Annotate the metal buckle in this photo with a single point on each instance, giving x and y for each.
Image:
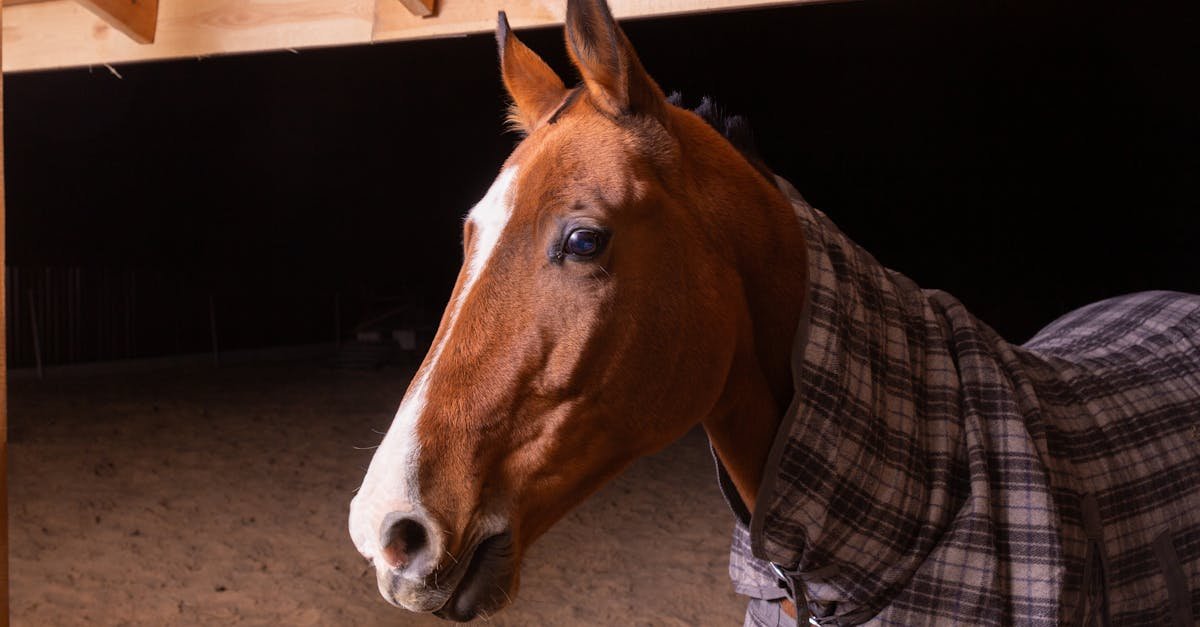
(785, 582)
(788, 584)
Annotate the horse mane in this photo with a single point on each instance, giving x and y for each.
(734, 128)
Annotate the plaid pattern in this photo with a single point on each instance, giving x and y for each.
(928, 472)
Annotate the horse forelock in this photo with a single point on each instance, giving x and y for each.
(570, 99)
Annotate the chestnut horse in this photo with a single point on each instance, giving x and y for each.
(629, 275)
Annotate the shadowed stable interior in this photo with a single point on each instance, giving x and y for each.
(1027, 157)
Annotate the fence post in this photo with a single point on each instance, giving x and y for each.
(337, 319)
(37, 340)
(212, 323)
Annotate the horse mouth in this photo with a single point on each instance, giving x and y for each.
(483, 586)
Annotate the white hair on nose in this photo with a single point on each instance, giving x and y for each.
(398, 454)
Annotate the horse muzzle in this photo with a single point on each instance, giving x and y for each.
(408, 576)
(461, 591)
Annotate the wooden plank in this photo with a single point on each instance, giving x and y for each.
(460, 17)
(136, 18)
(419, 8)
(61, 33)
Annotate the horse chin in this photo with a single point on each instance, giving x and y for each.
(484, 586)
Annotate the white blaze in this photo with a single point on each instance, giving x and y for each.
(391, 481)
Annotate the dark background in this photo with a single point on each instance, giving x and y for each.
(1027, 156)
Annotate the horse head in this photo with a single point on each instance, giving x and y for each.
(616, 290)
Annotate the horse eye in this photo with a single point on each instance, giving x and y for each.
(583, 243)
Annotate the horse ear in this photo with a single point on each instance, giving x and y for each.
(534, 88)
(610, 68)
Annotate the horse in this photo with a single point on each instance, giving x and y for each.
(887, 457)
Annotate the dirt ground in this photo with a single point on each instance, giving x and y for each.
(219, 497)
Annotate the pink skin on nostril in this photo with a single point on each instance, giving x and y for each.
(402, 539)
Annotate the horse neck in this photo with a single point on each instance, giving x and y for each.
(765, 240)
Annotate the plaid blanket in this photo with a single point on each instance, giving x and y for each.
(929, 472)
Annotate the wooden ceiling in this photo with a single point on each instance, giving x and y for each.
(45, 34)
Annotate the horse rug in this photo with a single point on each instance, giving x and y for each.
(929, 472)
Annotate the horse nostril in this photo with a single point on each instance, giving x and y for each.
(403, 538)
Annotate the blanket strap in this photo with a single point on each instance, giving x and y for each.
(787, 581)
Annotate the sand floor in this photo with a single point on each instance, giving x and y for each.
(218, 497)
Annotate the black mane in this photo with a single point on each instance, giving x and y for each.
(735, 128)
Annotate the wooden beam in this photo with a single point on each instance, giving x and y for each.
(419, 8)
(135, 18)
(60, 33)
(461, 17)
